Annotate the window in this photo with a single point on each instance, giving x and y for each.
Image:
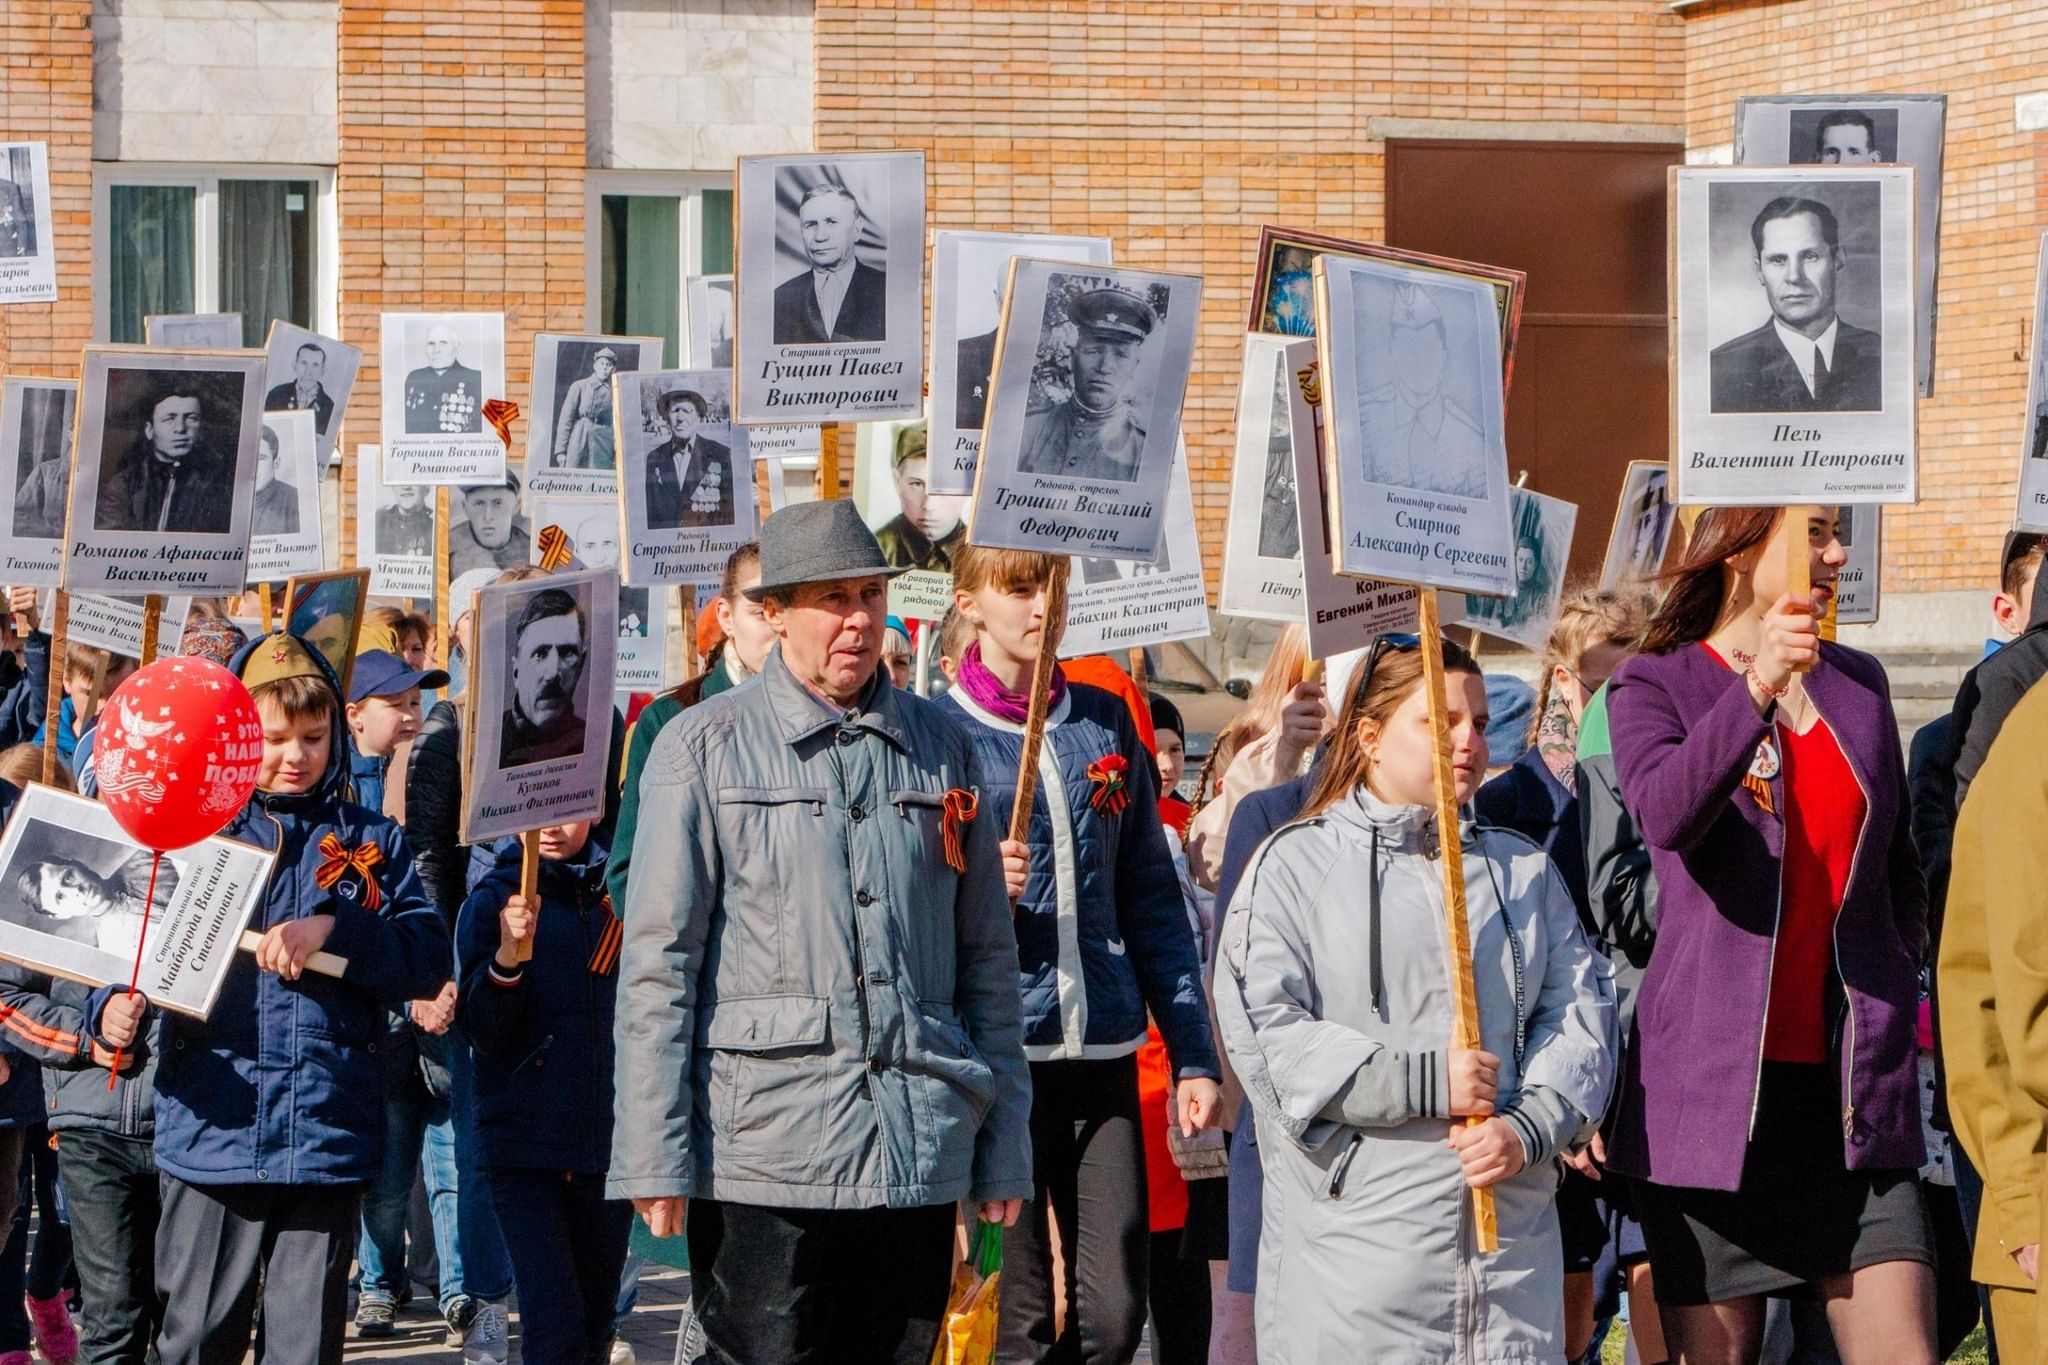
(177, 239)
(646, 235)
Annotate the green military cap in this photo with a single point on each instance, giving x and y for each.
(910, 443)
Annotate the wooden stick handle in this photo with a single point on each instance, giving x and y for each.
(1041, 683)
(263, 605)
(152, 624)
(686, 598)
(529, 885)
(1139, 676)
(322, 964)
(1464, 994)
(53, 701)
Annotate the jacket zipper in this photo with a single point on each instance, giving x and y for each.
(1835, 936)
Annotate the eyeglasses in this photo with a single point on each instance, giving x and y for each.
(1399, 643)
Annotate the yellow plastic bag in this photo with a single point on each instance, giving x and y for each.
(968, 1334)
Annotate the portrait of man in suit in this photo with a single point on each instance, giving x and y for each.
(1846, 137)
(689, 476)
(836, 298)
(1805, 357)
(976, 358)
(305, 389)
(443, 395)
(174, 476)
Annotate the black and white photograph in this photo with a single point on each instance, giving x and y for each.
(830, 323)
(570, 445)
(707, 301)
(325, 609)
(686, 479)
(1856, 583)
(164, 472)
(76, 901)
(439, 369)
(486, 528)
(2033, 494)
(970, 271)
(1115, 604)
(591, 528)
(308, 371)
(284, 515)
(1262, 564)
(395, 530)
(35, 428)
(1543, 544)
(1416, 440)
(538, 742)
(1861, 130)
(193, 331)
(28, 260)
(1794, 332)
(115, 623)
(1084, 416)
(1643, 520)
(918, 529)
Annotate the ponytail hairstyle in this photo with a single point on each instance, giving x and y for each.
(1588, 618)
(1699, 582)
(1390, 673)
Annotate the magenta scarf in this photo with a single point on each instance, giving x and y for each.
(990, 694)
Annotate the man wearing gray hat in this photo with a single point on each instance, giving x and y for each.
(1093, 433)
(583, 427)
(819, 1046)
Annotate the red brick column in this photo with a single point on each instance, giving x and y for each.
(46, 95)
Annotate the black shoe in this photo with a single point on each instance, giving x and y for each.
(460, 1313)
(376, 1318)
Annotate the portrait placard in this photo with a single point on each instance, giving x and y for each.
(1084, 411)
(1792, 340)
(591, 526)
(193, 331)
(28, 258)
(76, 889)
(569, 438)
(1861, 130)
(710, 348)
(284, 514)
(1643, 519)
(1262, 561)
(917, 529)
(970, 271)
(539, 727)
(310, 371)
(1543, 545)
(831, 287)
(2033, 492)
(1856, 582)
(434, 428)
(686, 487)
(326, 611)
(35, 477)
(394, 531)
(1416, 442)
(164, 471)
(484, 527)
(1115, 604)
(115, 623)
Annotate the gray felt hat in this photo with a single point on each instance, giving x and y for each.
(815, 542)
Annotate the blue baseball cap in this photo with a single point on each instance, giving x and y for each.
(380, 673)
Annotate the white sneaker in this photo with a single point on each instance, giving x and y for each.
(622, 1352)
(484, 1343)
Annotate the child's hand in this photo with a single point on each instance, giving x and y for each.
(435, 1015)
(515, 926)
(1490, 1152)
(1016, 866)
(286, 946)
(121, 1020)
(22, 602)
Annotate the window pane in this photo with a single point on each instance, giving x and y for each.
(717, 232)
(149, 255)
(266, 253)
(639, 270)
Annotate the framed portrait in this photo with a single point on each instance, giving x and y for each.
(28, 258)
(284, 513)
(707, 302)
(1262, 562)
(1793, 334)
(1861, 130)
(193, 331)
(1856, 583)
(569, 439)
(1283, 283)
(1416, 446)
(2033, 491)
(686, 485)
(164, 471)
(115, 623)
(1122, 603)
(396, 531)
(484, 528)
(1084, 415)
(970, 271)
(439, 370)
(1643, 520)
(305, 370)
(76, 902)
(918, 529)
(591, 528)
(326, 611)
(1543, 544)
(35, 476)
(539, 726)
(830, 287)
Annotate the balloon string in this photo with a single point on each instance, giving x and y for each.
(148, 903)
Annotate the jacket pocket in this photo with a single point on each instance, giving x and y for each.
(955, 1088)
(924, 815)
(765, 1023)
(769, 1085)
(814, 797)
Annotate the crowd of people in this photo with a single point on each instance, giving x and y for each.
(838, 975)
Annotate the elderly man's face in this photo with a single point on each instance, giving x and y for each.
(597, 542)
(682, 420)
(832, 633)
(1104, 365)
(309, 364)
(440, 347)
(490, 515)
(174, 427)
(408, 495)
(1847, 144)
(547, 666)
(1797, 269)
(828, 224)
(1418, 358)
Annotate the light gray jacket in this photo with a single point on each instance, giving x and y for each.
(815, 1010)
(1365, 1246)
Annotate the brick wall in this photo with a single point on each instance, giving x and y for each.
(1179, 128)
(46, 95)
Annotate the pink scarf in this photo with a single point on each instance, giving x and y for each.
(991, 696)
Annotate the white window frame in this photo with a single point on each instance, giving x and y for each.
(205, 178)
(686, 186)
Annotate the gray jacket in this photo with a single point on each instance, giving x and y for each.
(50, 1019)
(1365, 1249)
(815, 1010)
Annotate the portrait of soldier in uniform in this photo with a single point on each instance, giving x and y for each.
(1094, 433)
(929, 530)
(689, 476)
(406, 527)
(550, 645)
(444, 395)
(583, 424)
(174, 475)
(976, 359)
(43, 463)
(837, 297)
(17, 220)
(275, 509)
(1420, 436)
(492, 534)
(1805, 357)
(1279, 515)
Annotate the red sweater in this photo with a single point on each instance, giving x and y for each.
(1824, 810)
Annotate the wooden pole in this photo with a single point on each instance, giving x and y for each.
(99, 683)
(1041, 683)
(828, 460)
(529, 886)
(686, 599)
(320, 964)
(53, 701)
(152, 622)
(1139, 677)
(263, 605)
(1464, 996)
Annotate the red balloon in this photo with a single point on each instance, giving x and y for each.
(177, 750)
